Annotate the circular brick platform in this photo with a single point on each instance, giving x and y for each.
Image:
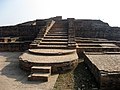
(60, 63)
(51, 51)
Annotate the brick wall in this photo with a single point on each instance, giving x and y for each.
(96, 29)
(114, 33)
(91, 28)
(17, 46)
(23, 32)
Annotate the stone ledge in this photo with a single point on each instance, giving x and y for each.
(51, 51)
(105, 68)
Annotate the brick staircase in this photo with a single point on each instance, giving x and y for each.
(56, 37)
(42, 32)
(40, 73)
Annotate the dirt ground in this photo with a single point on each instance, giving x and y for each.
(13, 78)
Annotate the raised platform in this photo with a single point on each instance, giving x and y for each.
(62, 61)
(105, 68)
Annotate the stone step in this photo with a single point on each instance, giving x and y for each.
(39, 77)
(38, 38)
(60, 24)
(55, 34)
(33, 46)
(57, 37)
(41, 69)
(65, 28)
(52, 46)
(53, 43)
(50, 52)
(58, 31)
(55, 40)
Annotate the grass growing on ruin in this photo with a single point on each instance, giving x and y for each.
(79, 79)
(65, 81)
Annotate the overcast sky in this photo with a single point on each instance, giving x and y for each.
(18, 11)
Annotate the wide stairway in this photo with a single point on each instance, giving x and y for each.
(55, 38)
(49, 54)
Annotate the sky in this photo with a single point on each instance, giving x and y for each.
(13, 12)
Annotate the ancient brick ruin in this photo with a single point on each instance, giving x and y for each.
(57, 45)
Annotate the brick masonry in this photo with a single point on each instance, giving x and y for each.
(76, 29)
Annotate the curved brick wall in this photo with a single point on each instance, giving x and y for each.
(56, 67)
